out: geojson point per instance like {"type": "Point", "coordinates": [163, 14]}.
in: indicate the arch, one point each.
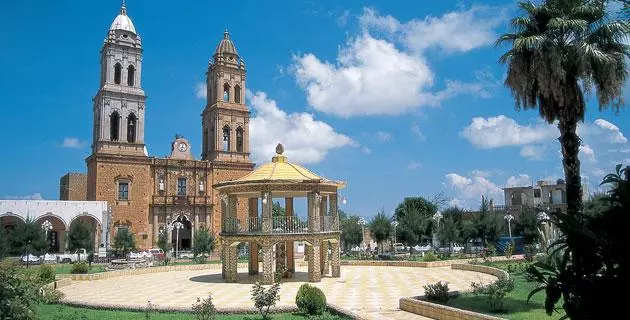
{"type": "Point", "coordinates": [184, 242]}
{"type": "Point", "coordinates": [226, 92]}
{"type": "Point", "coordinates": [237, 94]}
{"type": "Point", "coordinates": [56, 236]}
{"type": "Point", "coordinates": [226, 138]}
{"type": "Point", "coordinates": [85, 214]}
{"type": "Point", "coordinates": [131, 73]}
{"type": "Point", "coordinates": [11, 214]}
{"type": "Point", "coordinates": [49, 215]}
{"type": "Point", "coordinates": [132, 124]}
{"type": "Point", "coordinates": [239, 139]}
{"type": "Point", "coordinates": [114, 126]}
{"type": "Point", "coordinates": [117, 73]}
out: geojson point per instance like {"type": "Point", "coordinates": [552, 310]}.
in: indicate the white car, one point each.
{"type": "Point", "coordinates": [31, 259]}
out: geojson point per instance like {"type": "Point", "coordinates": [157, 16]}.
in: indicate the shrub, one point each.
{"type": "Point", "coordinates": [202, 259]}
{"type": "Point", "coordinates": [80, 268]}
{"type": "Point", "coordinates": [204, 309]}
{"type": "Point", "coordinates": [509, 250]}
{"type": "Point", "coordinates": [437, 291]}
{"type": "Point", "coordinates": [310, 300]}
{"type": "Point", "coordinates": [46, 273]}
{"type": "Point", "coordinates": [19, 292]}
{"type": "Point", "coordinates": [530, 252]}
{"type": "Point", "coordinates": [430, 256]}
{"type": "Point", "coordinates": [265, 298]}
{"type": "Point", "coordinates": [495, 291]}
{"type": "Point", "coordinates": [166, 261]}
{"type": "Point", "coordinates": [51, 295]}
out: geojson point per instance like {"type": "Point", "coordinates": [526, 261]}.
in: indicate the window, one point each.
{"type": "Point", "coordinates": [551, 197]}
{"type": "Point", "coordinates": [537, 193]}
{"type": "Point", "coordinates": [181, 186]}
{"type": "Point", "coordinates": [226, 138]}
{"type": "Point", "coordinates": [117, 73]}
{"type": "Point", "coordinates": [131, 128]}
{"type": "Point", "coordinates": [237, 94]}
{"type": "Point", "coordinates": [114, 126]}
{"type": "Point", "coordinates": [131, 72]}
{"type": "Point", "coordinates": [239, 139]}
{"type": "Point", "coordinates": [123, 191]}
{"type": "Point", "coordinates": [226, 92]}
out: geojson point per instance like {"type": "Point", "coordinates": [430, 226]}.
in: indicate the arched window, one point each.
{"type": "Point", "coordinates": [239, 139]}
{"type": "Point", "coordinates": [117, 73]}
{"type": "Point", "coordinates": [226, 92]}
{"type": "Point", "coordinates": [226, 138]}
{"type": "Point", "coordinates": [132, 123]}
{"type": "Point", "coordinates": [131, 72]}
{"type": "Point", "coordinates": [114, 126]}
{"type": "Point", "coordinates": [237, 94]}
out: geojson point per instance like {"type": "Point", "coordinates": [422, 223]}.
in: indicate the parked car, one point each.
{"type": "Point", "coordinates": [157, 253]}
{"type": "Point", "coordinates": [187, 254]}
{"type": "Point", "coordinates": [141, 254]}
{"type": "Point", "coordinates": [50, 258]}
{"type": "Point", "coordinates": [31, 259]}
{"type": "Point", "coordinates": [79, 255]}
{"type": "Point", "coordinates": [399, 247]}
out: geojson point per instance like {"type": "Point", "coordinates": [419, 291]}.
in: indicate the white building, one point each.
{"type": "Point", "coordinates": [61, 215]}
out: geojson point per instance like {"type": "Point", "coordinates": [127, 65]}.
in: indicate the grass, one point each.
{"type": "Point", "coordinates": [516, 306]}
{"type": "Point", "coordinates": [62, 312]}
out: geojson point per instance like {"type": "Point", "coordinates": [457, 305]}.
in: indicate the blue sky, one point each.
{"type": "Point", "coordinates": [398, 98]}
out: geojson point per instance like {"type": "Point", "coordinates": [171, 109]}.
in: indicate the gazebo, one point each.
{"type": "Point", "coordinates": [275, 235]}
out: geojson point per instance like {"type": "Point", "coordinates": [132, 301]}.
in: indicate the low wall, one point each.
{"type": "Point", "coordinates": [60, 283]}
{"type": "Point", "coordinates": [419, 306]}
{"type": "Point", "coordinates": [420, 264]}
{"type": "Point", "coordinates": [111, 274]}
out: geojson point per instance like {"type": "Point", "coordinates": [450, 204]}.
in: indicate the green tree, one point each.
{"type": "Point", "coordinates": [527, 226]}
{"type": "Point", "coordinates": [80, 237]}
{"type": "Point", "coordinates": [4, 241]}
{"type": "Point", "coordinates": [351, 235]}
{"type": "Point", "coordinates": [204, 243]}
{"type": "Point", "coordinates": [162, 242]}
{"type": "Point", "coordinates": [452, 227]}
{"type": "Point", "coordinates": [277, 210]}
{"type": "Point", "coordinates": [28, 238]}
{"type": "Point", "coordinates": [414, 216]}
{"type": "Point", "coordinates": [380, 228]}
{"type": "Point", "coordinates": [19, 292]}
{"type": "Point", "coordinates": [488, 224]}
{"type": "Point", "coordinates": [124, 241]}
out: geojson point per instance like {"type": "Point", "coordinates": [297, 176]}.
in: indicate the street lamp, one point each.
{"type": "Point", "coordinates": [543, 217]}
{"type": "Point", "coordinates": [437, 217]}
{"type": "Point", "coordinates": [362, 223]}
{"type": "Point", "coordinates": [394, 224]}
{"type": "Point", "coordinates": [177, 225]}
{"type": "Point", "coordinates": [508, 217]}
{"type": "Point", "coordinates": [47, 226]}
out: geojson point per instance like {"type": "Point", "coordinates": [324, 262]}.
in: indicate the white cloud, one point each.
{"type": "Point", "coordinates": [586, 150]}
{"type": "Point", "coordinates": [456, 203]}
{"type": "Point", "coordinates": [481, 173]}
{"type": "Point", "coordinates": [366, 150]}
{"type": "Point", "coordinates": [470, 189]}
{"type": "Point", "coordinates": [343, 18]}
{"type": "Point", "coordinates": [416, 133]}
{"type": "Point", "coordinates": [34, 196]}
{"type": "Point", "coordinates": [305, 139]}
{"type": "Point", "coordinates": [71, 142]}
{"type": "Point", "coordinates": [383, 136]}
{"type": "Point", "coordinates": [532, 152]}
{"type": "Point", "coordinates": [201, 90]}
{"type": "Point", "coordinates": [501, 131]}
{"type": "Point", "coordinates": [522, 180]}
{"type": "Point", "coordinates": [615, 135]}
{"type": "Point", "coordinates": [457, 31]}
{"type": "Point", "coordinates": [413, 165]}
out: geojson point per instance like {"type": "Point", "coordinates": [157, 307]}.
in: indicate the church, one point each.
{"type": "Point", "coordinates": [147, 194]}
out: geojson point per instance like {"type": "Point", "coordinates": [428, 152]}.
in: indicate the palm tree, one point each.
{"type": "Point", "coordinates": [560, 49]}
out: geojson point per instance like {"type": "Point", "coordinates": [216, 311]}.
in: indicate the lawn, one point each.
{"type": "Point", "coordinates": [66, 268]}
{"type": "Point", "coordinates": [516, 305]}
{"type": "Point", "coordinates": [62, 312]}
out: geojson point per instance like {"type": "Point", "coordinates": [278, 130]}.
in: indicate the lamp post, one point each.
{"type": "Point", "coordinates": [508, 217]}
{"type": "Point", "coordinates": [437, 217]}
{"type": "Point", "coordinates": [394, 224]}
{"type": "Point", "coordinates": [362, 223]}
{"type": "Point", "coordinates": [47, 226]}
{"type": "Point", "coordinates": [177, 225]}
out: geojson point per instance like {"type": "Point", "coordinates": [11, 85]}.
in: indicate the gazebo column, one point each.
{"type": "Point", "coordinates": [290, 247]}
{"type": "Point", "coordinates": [267, 210]}
{"type": "Point", "coordinates": [253, 246]}
{"type": "Point", "coordinates": [324, 258]}
{"type": "Point", "coordinates": [334, 211]}
{"type": "Point", "coordinates": [232, 260]}
{"type": "Point", "coordinates": [313, 254]}
{"type": "Point", "coordinates": [312, 200]}
{"type": "Point", "coordinates": [267, 276]}
{"type": "Point", "coordinates": [224, 259]}
{"type": "Point", "coordinates": [335, 260]}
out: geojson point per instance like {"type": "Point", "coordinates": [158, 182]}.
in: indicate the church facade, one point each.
{"type": "Point", "coordinates": [148, 194]}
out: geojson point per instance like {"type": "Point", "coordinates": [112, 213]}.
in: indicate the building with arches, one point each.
{"type": "Point", "coordinates": [148, 194]}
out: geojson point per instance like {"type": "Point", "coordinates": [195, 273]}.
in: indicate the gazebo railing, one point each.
{"type": "Point", "coordinates": [277, 225]}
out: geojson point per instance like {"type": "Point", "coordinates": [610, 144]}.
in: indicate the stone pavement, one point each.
{"type": "Point", "coordinates": [371, 292]}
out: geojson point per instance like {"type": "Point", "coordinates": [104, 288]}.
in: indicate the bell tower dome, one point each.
{"type": "Point", "coordinates": [120, 101]}
{"type": "Point", "coordinates": [225, 118]}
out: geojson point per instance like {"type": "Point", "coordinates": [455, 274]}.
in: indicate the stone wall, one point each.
{"type": "Point", "coordinates": [73, 186]}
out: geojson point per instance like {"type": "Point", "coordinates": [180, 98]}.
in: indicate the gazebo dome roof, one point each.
{"type": "Point", "coordinates": [280, 170]}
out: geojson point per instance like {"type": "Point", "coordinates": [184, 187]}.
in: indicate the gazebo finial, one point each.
{"type": "Point", "coordinates": [279, 149]}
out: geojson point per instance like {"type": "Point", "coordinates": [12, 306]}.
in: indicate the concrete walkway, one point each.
{"type": "Point", "coordinates": [371, 292]}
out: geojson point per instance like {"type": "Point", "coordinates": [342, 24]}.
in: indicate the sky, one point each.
{"type": "Point", "coordinates": [397, 98]}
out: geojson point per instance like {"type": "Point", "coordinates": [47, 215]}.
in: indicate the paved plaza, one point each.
{"type": "Point", "coordinates": [371, 292]}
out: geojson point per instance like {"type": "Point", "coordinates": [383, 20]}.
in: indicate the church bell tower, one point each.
{"type": "Point", "coordinates": [120, 101]}
{"type": "Point", "coordinates": [225, 118]}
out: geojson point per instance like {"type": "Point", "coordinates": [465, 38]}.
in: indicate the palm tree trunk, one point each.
{"type": "Point", "coordinates": [570, 143]}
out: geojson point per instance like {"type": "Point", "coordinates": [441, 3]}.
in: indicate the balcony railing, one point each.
{"type": "Point", "coordinates": [549, 208]}
{"type": "Point", "coordinates": [188, 200]}
{"type": "Point", "coordinates": [278, 225]}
